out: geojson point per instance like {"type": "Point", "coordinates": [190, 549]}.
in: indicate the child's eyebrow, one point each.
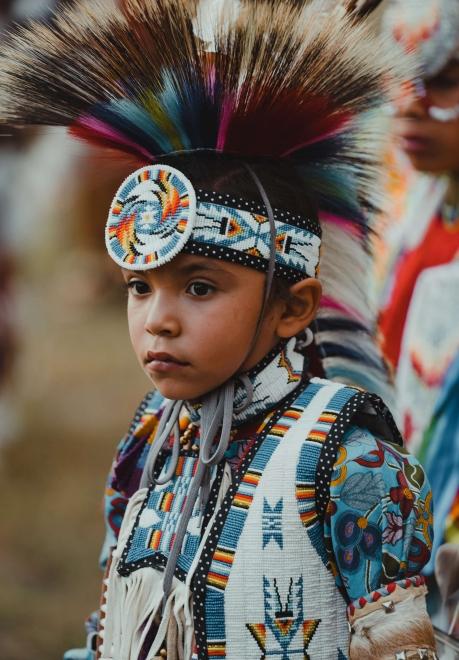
{"type": "Point", "coordinates": [189, 268]}
{"type": "Point", "coordinates": [204, 264]}
{"type": "Point", "coordinates": [127, 272]}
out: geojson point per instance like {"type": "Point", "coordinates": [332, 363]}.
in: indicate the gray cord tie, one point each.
{"type": "Point", "coordinates": [225, 417]}
{"type": "Point", "coordinates": [167, 424]}
{"type": "Point", "coordinates": [219, 411]}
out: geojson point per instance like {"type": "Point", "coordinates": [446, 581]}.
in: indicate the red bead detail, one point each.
{"type": "Point", "coordinates": [391, 587]}
{"type": "Point", "coordinates": [376, 596]}
{"type": "Point", "coordinates": [362, 602]}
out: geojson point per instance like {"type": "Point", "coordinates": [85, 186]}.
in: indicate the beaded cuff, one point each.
{"type": "Point", "coordinates": [392, 624]}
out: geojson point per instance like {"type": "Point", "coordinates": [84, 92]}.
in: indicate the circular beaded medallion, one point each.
{"type": "Point", "coordinates": [151, 217]}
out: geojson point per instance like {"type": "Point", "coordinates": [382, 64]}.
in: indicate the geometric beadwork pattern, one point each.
{"type": "Point", "coordinates": [272, 523]}
{"type": "Point", "coordinates": [154, 533]}
{"type": "Point", "coordinates": [151, 217]}
{"type": "Point", "coordinates": [249, 233]}
{"type": "Point", "coordinates": [223, 555]}
{"type": "Point", "coordinates": [277, 376]}
{"type": "Point", "coordinates": [284, 634]}
{"type": "Point", "coordinates": [155, 213]}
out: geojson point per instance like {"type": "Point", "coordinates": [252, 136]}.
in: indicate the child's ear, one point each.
{"type": "Point", "coordinates": [300, 308]}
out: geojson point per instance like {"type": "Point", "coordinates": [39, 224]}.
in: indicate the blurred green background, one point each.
{"type": "Point", "coordinates": [79, 387]}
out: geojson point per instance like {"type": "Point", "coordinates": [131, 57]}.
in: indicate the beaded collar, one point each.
{"type": "Point", "coordinates": [273, 378]}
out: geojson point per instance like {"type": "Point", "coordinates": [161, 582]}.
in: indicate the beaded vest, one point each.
{"type": "Point", "coordinates": [253, 578]}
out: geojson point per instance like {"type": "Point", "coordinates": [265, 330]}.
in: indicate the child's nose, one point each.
{"type": "Point", "coordinates": [414, 104]}
{"type": "Point", "coordinates": [415, 109]}
{"type": "Point", "coordinates": [162, 319]}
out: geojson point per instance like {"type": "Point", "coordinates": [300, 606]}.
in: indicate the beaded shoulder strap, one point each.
{"type": "Point", "coordinates": [362, 409]}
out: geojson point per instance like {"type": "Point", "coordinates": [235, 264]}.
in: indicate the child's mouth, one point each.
{"type": "Point", "coordinates": [163, 362]}
{"type": "Point", "coordinates": [412, 143]}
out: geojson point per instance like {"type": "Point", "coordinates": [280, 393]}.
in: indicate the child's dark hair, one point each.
{"type": "Point", "coordinates": [280, 290]}
{"type": "Point", "coordinates": [215, 172]}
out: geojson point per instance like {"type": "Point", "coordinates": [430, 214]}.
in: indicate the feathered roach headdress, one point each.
{"type": "Point", "coordinates": [282, 88]}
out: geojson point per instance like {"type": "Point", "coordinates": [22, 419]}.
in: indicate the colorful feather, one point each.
{"type": "Point", "coordinates": [289, 81]}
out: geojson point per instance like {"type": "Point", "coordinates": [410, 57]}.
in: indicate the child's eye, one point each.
{"type": "Point", "coordinates": [200, 289]}
{"type": "Point", "coordinates": [138, 287]}
{"type": "Point", "coordinates": [443, 83]}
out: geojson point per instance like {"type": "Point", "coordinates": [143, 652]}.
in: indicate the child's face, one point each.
{"type": "Point", "coordinates": [192, 321]}
{"type": "Point", "coordinates": [431, 145]}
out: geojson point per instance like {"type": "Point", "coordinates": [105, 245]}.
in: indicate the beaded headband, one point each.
{"type": "Point", "coordinates": [156, 214]}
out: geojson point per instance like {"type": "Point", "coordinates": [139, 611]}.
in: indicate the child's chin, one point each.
{"type": "Point", "coordinates": [185, 388]}
{"type": "Point", "coordinates": [178, 391]}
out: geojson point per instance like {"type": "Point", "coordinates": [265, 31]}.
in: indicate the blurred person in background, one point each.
{"type": "Point", "coordinates": [419, 320]}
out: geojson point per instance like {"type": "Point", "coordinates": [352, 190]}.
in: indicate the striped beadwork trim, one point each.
{"type": "Point", "coordinates": [385, 590]}
{"type": "Point", "coordinates": [308, 481]}
{"type": "Point", "coordinates": [330, 447]}
{"type": "Point", "coordinates": [208, 644]}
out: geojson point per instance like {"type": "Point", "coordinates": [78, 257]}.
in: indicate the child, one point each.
{"type": "Point", "coordinates": [255, 510]}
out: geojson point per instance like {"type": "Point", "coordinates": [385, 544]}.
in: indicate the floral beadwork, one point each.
{"type": "Point", "coordinates": [394, 530]}
{"type": "Point", "coordinates": [402, 495]}
{"type": "Point", "coordinates": [378, 526]}
{"type": "Point", "coordinates": [358, 539]}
